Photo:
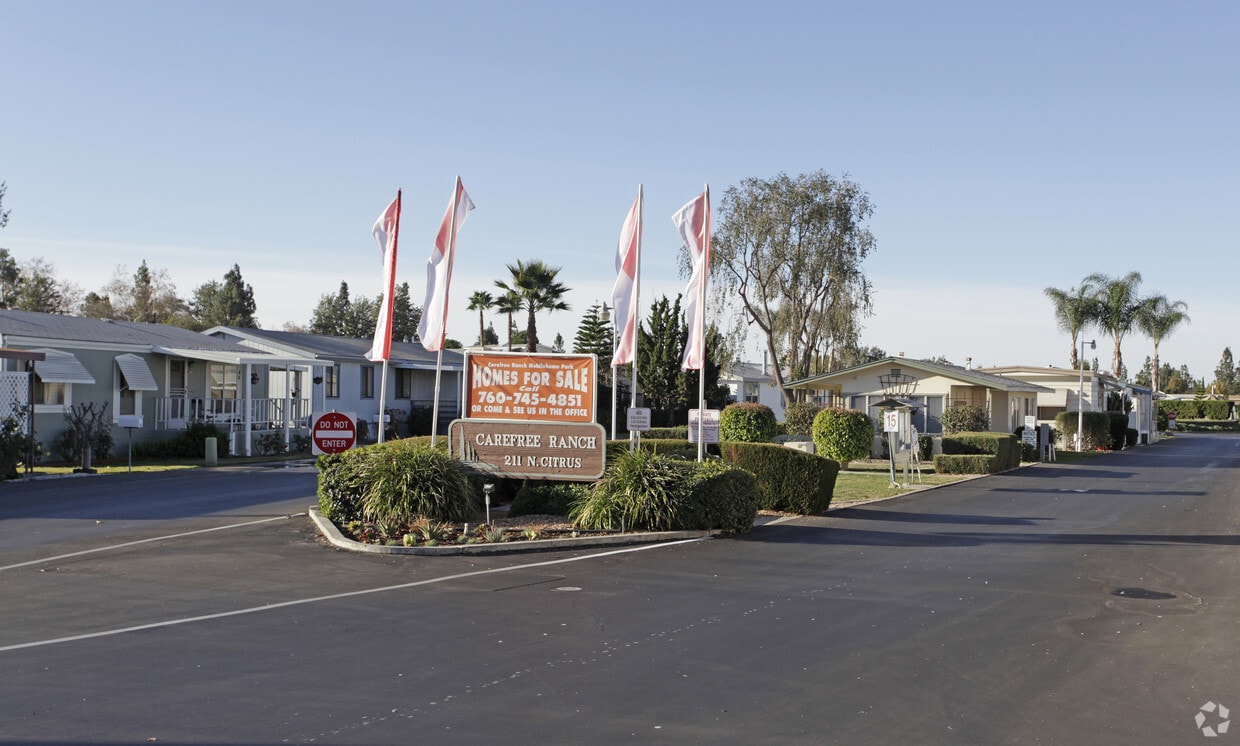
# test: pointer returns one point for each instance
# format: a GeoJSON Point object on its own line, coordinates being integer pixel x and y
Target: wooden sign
{"type": "Point", "coordinates": [529, 386]}
{"type": "Point", "coordinates": [531, 450]}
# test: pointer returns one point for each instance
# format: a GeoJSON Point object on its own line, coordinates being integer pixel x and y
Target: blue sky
{"type": "Point", "coordinates": [1006, 147]}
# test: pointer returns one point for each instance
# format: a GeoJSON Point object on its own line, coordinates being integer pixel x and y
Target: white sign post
{"type": "Point", "coordinates": [709, 425]}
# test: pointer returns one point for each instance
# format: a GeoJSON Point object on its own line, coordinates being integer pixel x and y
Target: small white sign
{"type": "Point", "coordinates": [639, 419]}
{"type": "Point", "coordinates": [709, 425]}
{"type": "Point", "coordinates": [891, 421]}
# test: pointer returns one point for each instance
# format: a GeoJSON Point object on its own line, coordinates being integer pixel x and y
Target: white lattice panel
{"type": "Point", "coordinates": [14, 394]}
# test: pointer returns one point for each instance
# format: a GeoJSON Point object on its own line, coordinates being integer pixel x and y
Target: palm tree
{"type": "Point", "coordinates": [1118, 304]}
{"type": "Point", "coordinates": [536, 287]}
{"type": "Point", "coordinates": [508, 304]}
{"type": "Point", "coordinates": [1159, 317]}
{"type": "Point", "coordinates": [1074, 310]}
{"type": "Point", "coordinates": [481, 301]}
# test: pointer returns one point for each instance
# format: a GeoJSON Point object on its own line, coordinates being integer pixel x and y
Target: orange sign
{"type": "Point", "coordinates": [516, 386]}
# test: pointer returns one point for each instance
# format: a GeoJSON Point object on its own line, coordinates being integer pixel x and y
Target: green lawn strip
{"type": "Point", "coordinates": [856, 486]}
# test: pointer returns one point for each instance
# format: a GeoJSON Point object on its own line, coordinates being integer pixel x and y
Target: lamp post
{"type": "Point", "coordinates": [1080, 395]}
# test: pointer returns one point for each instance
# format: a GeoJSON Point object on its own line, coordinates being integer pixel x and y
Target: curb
{"type": "Point", "coordinates": [338, 540]}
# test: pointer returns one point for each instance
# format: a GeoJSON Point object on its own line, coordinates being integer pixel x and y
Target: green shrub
{"type": "Point", "coordinates": [66, 448]}
{"type": "Point", "coordinates": [420, 420]}
{"type": "Point", "coordinates": [1117, 430]}
{"type": "Point", "coordinates": [965, 418]}
{"type": "Point", "coordinates": [1216, 410]}
{"type": "Point", "coordinates": [1005, 448]}
{"type": "Point", "coordinates": [14, 443]}
{"type": "Point", "coordinates": [788, 480]}
{"type": "Point", "coordinates": [728, 495]}
{"type": "Point", "coordinates": [799, 417]}
{"type": "Point", "coordinates": [341, 486]}
{"type": "Point", "coordinates": [1096, 433]}
{"type": "Point", "coordinates": [748, 422]}
{"type": "Point", "coordinates": [189, 443]}
{"type": "Point", "coordinates": [271, 444]}
{"type": "Point", "coordinates": [682, 449]}
{"type": "Point", "coordinates": [405, 482]}
{"type": "Point", "coordinates": [1133, 437]}
{"type": "Point", "coordinates": [680, 432]}
{"type": "Point", "coordinates": [925, 448]}
{"type": "Point", "coordinates": [945, 463]}
{"type": "Point", "coordinates": [1162, 419]}
{"type": "Point", "coordinates": [395, 483]}
{"type": "Point", "coordinates": [645, 491]}
{"type": "Point", "coordinates": [545, 497]}
{"type": "Point", "coordinates": [641, 490]}
{"type": "Point", "coordinates": [843, 434]}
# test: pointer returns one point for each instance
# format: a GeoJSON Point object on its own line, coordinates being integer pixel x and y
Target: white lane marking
{"type": "Point", "coordinates": [333, 597]}
{"type": "Point", "coordinates": [110, 547]}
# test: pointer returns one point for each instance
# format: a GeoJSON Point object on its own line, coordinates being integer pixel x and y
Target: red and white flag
{"type": "Point", "coordinates": [434, 323]}
{"type": "Point", "coordinates": [624, 293]}
{"type": "Point", "coordinates": [693, 222]}
{"type": "Point", "coordinates": [386, 230]}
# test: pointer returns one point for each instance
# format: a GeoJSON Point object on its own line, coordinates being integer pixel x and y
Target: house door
{"type": "Point", "coordinates": [178, 390]}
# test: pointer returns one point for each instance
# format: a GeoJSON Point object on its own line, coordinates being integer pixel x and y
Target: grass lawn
{"type": "Point", "coordinates": [870, 484]}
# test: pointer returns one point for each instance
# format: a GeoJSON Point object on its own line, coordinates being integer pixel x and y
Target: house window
{"type": "Point", "coordinates": [331, 382]}
{"type": "Point", "coordinates": [368, 381]}
{"type": "Point", "coordinates": [751, 392]}
{"type": "Point", "coordinates": [128, 401]}
{"type": "Point", "coordinates": [404, 383]}
{"type": "Point", "coordinates": [223, 380]}
{"type": "Point", "coordinates": [51, 393]}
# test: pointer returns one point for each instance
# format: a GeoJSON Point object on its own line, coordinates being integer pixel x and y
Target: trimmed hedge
{"type": "Point", "coordinates": [1118, 428]}
{"type": "Point", "coordinates": [799, 417]}
{"type": "Point", "coordinates": [748, 422]}
{"type": "Point", "coordinates": [843, 434]}
{"type": "Point", "coordinates": [1097, 429]}
{"type": "Point", "coordinates": [679, 432]}
{"type": "Point", "coordinates": [1194, 409]}
{"type": "Point", "coordinates": [675, 448]}
{"type": "Point", "coordinates": [788, 480]}
{"type": "Point", "coordinates": [1004, 447]}
{"type": "Point", "coordinates": [965, 464]}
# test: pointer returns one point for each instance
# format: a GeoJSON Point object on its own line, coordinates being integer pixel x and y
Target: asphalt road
{"type": "Point", "coordinates": [1058, 604]}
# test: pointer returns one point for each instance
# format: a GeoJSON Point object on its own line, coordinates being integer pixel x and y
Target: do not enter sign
{"type": "Point", "coordinates": [333, 432]}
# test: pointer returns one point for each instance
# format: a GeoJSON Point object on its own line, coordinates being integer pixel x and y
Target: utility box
{"type": "Point", "coordinates": [130, 420]}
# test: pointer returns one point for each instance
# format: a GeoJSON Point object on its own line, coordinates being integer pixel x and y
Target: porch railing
{"type": "Point", "coordinates": [229, 414]}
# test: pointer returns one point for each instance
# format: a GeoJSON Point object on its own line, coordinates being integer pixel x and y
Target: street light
{"type": "Point", "coordinates": [1080, 395]}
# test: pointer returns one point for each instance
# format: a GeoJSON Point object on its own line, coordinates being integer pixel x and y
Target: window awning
{"type": "Point", "coordinates": [136, 372]}
{"type": "Point", "coordinates": [61, 367]}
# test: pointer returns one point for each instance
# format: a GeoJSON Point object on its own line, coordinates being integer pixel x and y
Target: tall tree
{"type": "Point", "coordinates": [148, 296]}
{"type": "Point", "coordinates": [661, 346]}
{"type": "Point", "coordinates": [1158, 317]}
{"type": "Point", "coordinates": [594, 336]}
{"type": "Point", "coordinates": [227, 303]}
{"type": "Point", "coordinates": [481, 301]}
{"type": "Point", "coordinates": [340, 316]}
{"type": "Point", "coordinates": [1118, 304]}
{"type": "Point", "coordinates": [536, 285]}
{"type": "Point", "coordinates": [1225, 374]}
{"type": "Point", "coordinates": [4, 214]}
{"type": "Point", "coordinates": [1075, 309]}
{"type": "Point", "coordinates": [405, 315]}
{"type": "Point", "coordinates": [38, 289]}
{"type": "Point", "coordinates": [10, 278]}
{"type": "Point", "coordinates": [790, 251]}
{"type": "Point", "coordinates": [508, 304]}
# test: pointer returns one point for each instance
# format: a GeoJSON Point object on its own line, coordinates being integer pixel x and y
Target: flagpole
{"type": "Point", "coordinates": [387, 304]}
{"type": "Point", "coordinates": [443, 333]}
{"type": "Point", "coordinates": [635, 438]}
{"type": "Point", "coordinates": [702, 320]}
